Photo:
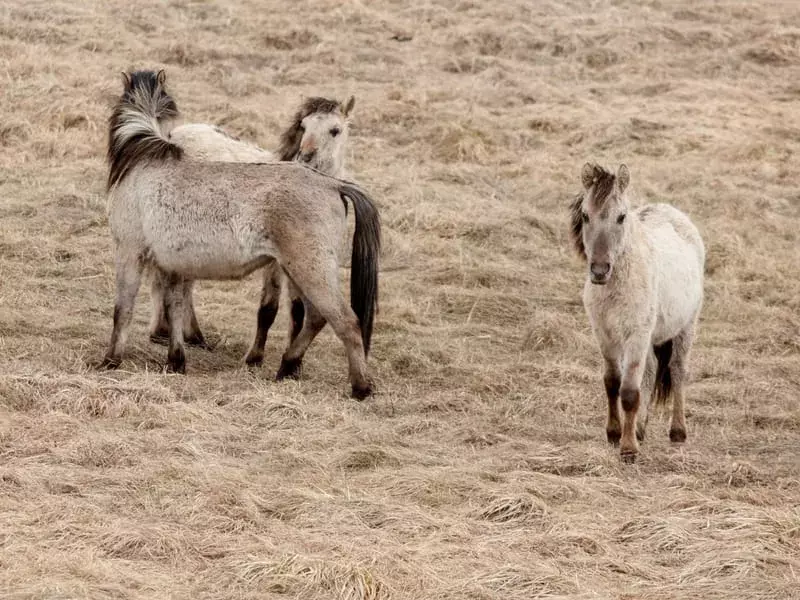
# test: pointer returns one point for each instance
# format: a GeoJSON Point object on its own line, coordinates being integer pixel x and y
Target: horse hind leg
{"type": "Point", "coordinates": [318, 281]}
{"type": "Point", "coordinates": [267, 309]}
{"type": "Point", "coordinates": [298, 310]}
{"type": "Point", "coordinates": [678, 371]}
{"type": "Point", "coordinates": [129, 276]}
{"type": "Point", "coordinates": [173, 296]}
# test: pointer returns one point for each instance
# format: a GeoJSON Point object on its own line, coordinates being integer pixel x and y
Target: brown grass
{"type": "Point", "coordinates": [480, 470]}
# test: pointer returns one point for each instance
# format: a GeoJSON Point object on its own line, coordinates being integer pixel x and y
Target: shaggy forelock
{"type": "Point", "coordinates": [602, 187]}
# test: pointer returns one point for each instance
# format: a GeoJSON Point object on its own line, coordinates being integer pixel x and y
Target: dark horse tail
{"type": "Point", "coordinates": [364, 267]}
{"type": "Point", "coordinates": [663, 384]}
{"type": "Point", "coordinates": [135, 127]}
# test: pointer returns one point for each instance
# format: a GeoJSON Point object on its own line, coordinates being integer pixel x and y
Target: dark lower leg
{"type": "Point", "coordinates": [298, 314]}
{"type": "Point", "coordinates": [267, 309]}
{"type": "Point", "coordinates": [677, 426]}
{"type": "Point", "coordinates": [191, 328]}
{"type": "Point", "coordinates": [159, 328]}
{"type": "Point", "coordinates": [611, 379]}
{"type": "Point", "coordinates": [292, 360]}
{"type": "Point", "coordinates": [264, 320]}
{"type": "Point", "coordinates": [629, 446]}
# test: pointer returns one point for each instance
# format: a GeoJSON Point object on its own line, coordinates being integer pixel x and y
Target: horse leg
{"type": "Point", "coordinates": [292, 360]}
{"type": "Point", "coordinates": [191, 328]}
{"type": "Point", "coordinates": [129, 276]}
{"type": "Point", "coordinates": [612, 380]}
{"type": "Point", "coordinates": [174, 297]}
{"type": "Point", "coordinates": [159, 329]}
{"type": "Point", "coordinates": [318, 281]}
{"type": "Point", "coordinates": [298, 310]}
{"type": "Point", "coordinates": [648, 383]}
{"type": "Point", "coordinates": [634, 366]}
{"type": "Point", "coordinates": [678, 371]}
{"type": "Point", "coordinates": [267, 309]}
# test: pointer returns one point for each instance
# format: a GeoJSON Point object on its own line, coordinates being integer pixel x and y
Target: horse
{"type": "Point", "coordinates": [643, 295]}
{"type": "Point", "coordinates": [191, 220]}
{"type": "Point", "coordinates": [317, 137]}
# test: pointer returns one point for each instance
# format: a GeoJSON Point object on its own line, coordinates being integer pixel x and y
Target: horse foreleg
{"type": "Point", "coordinates": [129, 276]}
{"type": "Point", "coordinates": [648, 382]}
{"type": "Point", "coordinates": [174, 295]}
{"type": "Point", "coordinates": [267, 309]}
{"type": "Point", "coordinates": [633, 368]}
{"type": "Point", "coordinates": [678, 370]}
{"type": "Point", "coordinates": [292, 359]}
{"type": "Point", "coordinates": [612, 380]}
{"type": "Point", "coordinates": [159, 329]}
{"type": "Point", "coordinates": [191, 328]}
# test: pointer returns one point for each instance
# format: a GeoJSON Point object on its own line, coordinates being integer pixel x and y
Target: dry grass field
{"type": "Point", "coordinates": [480, 469]}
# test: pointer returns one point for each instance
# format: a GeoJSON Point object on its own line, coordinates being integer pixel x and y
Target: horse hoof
{"type": "Point", "coordinates": [176, 363]}
{"type": "Point", "coordinates": [677, 435]}
{"type": "Point", "coordinates": [628, 457]}
{"type": "Point", "coordinates": [254, 360]}
{"type": "Point", "coordinates": [613, 435]}
{"type": "Point", "coordinates": [360, 393]}
{"type": "Point", "coordinates": [289, 369]}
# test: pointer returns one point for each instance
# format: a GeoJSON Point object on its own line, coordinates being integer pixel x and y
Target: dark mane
{"type": "Point", "coordinates": [602, 186]}
{"type": "Point", "coordinates": [290, 139]}
{"type": "Point", "coordinates": [576, 224]}
{"type": "Point", "coordinates": [135, 125]}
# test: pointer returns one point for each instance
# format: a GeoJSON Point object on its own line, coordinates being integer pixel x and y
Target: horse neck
{"type": "Point", "coordinates": [633, 256]}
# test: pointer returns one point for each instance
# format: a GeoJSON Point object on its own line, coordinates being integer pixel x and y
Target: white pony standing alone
{"type": "Point", "coordinates": [643, 295]}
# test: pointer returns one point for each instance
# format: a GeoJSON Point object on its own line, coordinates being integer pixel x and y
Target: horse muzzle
{"type": "Point", "coordinates": [600, 273]}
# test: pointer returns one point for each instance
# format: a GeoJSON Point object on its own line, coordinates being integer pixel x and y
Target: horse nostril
{"type": "Point", "coordinates": [307, 157]}
{"type": "Point", "coordinates": [600, 269]}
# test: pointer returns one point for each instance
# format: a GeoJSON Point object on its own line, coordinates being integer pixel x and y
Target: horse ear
{"type": "Point", "coordinates": [161, 77]}
{"type": "Point", "coordinates": [126, 80]}
{"type": "Point", "coordinates": [623, 177]}
{"type": "Point", "coordinates": [587, 175]}
{"type": "Point", "coordinates": [348, 106]}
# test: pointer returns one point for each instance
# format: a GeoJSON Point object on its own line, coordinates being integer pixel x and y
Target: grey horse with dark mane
{"type": "Point", "coordinates": [212, 220]}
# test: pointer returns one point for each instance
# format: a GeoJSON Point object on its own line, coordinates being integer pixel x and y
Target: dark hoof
{"type": "Point", "coordinates": [108, 362]}
{"type": "Point", "coordinates": [176, 363]}
{"type": "Point", "coordinates": [677, 436]}
{"type": "Point", "coordinates": [628, 457]}
{"type": "Point", "coordinates": [613, 435]}
{"type": "Point", "coordinates": [162, 339]}
{"type": "Point", "coordinates": [360, 393]}
{"type": "Point", "coordinates": [254, 360]}
{"type": "Point", "coordinates": [198, 341]}
{"type": "Point", "coordinates": [640, 432]}
{"type": "Point", "coordinates": [289, 369]}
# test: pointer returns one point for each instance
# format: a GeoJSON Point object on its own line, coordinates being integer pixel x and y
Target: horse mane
{"type": "Point", "coordinates": [291, 138]}
{"type": "Point", "coordinates": [576, 225]}
{"type": "Point", "coordinates": [135, 133]}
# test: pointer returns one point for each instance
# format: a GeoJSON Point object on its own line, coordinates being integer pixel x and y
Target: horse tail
{"type": "Point", "coordinates": [662, 389]}
{"type": "Point", "coordinates": [364, 267]}
{"type": "Point", "coordinates": [135, 126]}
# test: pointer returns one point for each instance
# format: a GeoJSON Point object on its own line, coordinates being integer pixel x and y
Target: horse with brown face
{"type": "Point", "coordinates": [643, 295]}
{"type": "Point", "coordinates": [191, 220]}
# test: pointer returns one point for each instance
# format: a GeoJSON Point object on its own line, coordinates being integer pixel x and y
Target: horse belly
{"type": "Point", "coordinates": [680, 295]}
{"type": "Point", "coordinates": [216, 255]}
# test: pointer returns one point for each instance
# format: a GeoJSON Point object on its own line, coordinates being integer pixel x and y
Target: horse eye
{"type": "Point", "coordinates": [585, 217]}
{"type": "Point", "coordinates": [621, 219]}
{"type": "Point", "coordinates": [335, 131]}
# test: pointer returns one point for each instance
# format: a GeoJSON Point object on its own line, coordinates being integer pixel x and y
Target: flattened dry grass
{"type": "Point", "coordinates": [479, 470]}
